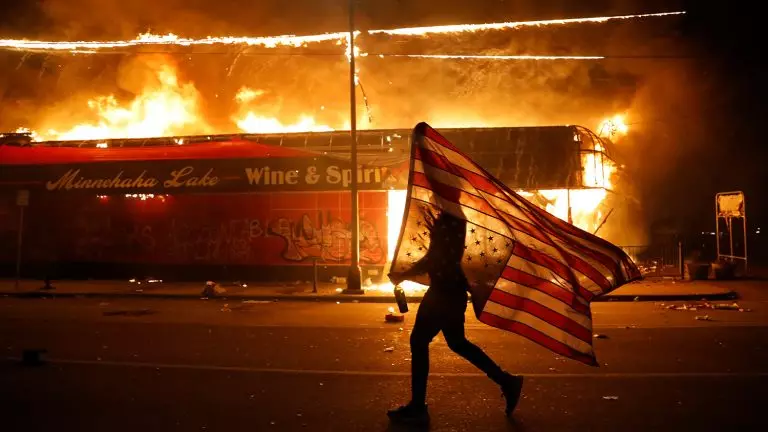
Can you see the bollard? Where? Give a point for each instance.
(314, 275)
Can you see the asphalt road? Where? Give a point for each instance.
(194, 365)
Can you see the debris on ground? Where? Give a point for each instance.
(734, 306)
(703, 318)
(102, 304)
(599, 336)
(389, 349)
(257, 301)
(611, 397)
(705, 305)
(209, 290)
(226, 308)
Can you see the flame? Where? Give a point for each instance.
(27, 131)
(584, 205)
(462, 28)
(614, 127)
(395, 209)
(409, 287)
(165, 107)
(146, 39)
(252, 122)
(597, 169)
(246, 95)
(492, 57)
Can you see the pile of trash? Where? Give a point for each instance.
(706, 305)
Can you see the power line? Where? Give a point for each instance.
(407, 55)
(291, 41)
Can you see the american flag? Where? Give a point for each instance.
(530, 272)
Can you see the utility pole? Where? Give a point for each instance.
(354, 285)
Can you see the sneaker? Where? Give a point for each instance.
(411, 414)
(511, 390)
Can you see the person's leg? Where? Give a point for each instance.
(511, 386)
(425, 329)
(457, 341)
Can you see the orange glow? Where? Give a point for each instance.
(597, 169)
(613, 128)
(250, 121)
(409, 287)
(165, 107)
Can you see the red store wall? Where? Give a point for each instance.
(262, 229)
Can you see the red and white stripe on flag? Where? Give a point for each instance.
(530, 272)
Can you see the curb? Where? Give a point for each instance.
(349, 298)
(730, 295)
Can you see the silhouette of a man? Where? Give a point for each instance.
(442, 309)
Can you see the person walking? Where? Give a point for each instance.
(442, 309)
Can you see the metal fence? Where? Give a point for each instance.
(659, 260)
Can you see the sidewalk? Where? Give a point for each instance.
(663, 290)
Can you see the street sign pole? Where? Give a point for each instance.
(354, 285)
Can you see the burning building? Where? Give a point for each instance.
(264, 206)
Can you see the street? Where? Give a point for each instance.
(152, 364)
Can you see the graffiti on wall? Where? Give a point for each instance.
(330, 240)
(196, 229)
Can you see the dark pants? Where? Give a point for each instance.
(442, 313)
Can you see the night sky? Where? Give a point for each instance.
(711, 140)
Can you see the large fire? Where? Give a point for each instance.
(167, 107)
(164, 108)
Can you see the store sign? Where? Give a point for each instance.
(206, 176)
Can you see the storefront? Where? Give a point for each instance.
(233, 209)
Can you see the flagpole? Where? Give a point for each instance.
(353, 277)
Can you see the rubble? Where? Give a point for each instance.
(706, 305)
